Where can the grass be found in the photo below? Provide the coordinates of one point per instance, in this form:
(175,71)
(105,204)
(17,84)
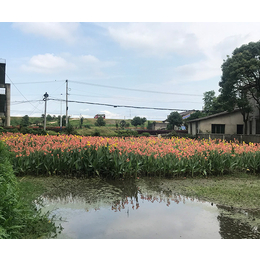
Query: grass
(19,217)
(238,191)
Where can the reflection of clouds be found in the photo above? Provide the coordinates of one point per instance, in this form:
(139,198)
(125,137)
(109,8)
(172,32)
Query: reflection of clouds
(178,220)
(158,216)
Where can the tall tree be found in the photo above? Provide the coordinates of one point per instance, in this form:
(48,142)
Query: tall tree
(138,121)
(208,98)
(25,120)
(212,104)
(175,119)
(240,81)
(100,121)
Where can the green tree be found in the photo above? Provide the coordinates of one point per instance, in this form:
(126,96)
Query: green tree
(138,121)
(63,120)
(174,119)
(81,122)
(48,117)
(212,104)
(240,80)
(25,121)
(195,115)
(122,124)
(100,122)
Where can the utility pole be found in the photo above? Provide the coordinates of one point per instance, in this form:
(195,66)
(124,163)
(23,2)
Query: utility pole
(45,109)
(67,103)
(61,113)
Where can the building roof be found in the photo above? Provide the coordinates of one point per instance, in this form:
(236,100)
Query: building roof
(215,115)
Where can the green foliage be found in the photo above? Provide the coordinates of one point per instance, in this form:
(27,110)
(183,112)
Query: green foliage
(195,115)
(174,119)
(145,134)
(108,162)
(63,120)
(48,117)
(212,104)
(17,218)
(122,124)
(81,122)
(240,79)
(138,121)
(70,129)
(96,133)
(25,121)
(125,133)
(150,125)
(27,130)
(100,122)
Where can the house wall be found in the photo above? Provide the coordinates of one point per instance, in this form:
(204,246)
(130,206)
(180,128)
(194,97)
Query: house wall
(158,126)
(229,120)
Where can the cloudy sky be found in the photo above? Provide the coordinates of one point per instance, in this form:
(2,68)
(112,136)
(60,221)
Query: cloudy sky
(165,65)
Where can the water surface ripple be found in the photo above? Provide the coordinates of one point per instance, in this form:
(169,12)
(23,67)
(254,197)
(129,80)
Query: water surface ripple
(142,209)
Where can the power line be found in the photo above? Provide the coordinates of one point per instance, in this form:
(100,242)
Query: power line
(139,90)
(39,82)
(115,106)
(19,90)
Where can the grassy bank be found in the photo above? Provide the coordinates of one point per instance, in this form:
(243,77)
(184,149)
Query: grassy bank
(238,191)
(19,217)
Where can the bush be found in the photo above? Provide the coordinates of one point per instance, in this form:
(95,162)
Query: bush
(96,133)
(27,130)
(70,130)
(100,122)
(125,133)
(145,134)
(18,219)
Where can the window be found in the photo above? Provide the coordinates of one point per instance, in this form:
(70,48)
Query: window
(240,129)
(217,129)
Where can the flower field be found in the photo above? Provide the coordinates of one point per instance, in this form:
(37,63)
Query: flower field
(79,156)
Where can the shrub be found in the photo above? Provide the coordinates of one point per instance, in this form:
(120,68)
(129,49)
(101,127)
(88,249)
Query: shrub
(145,134)
(125,133)
(18,219)
(70,130)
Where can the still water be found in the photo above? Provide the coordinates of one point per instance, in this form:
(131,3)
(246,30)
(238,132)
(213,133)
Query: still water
(142,209)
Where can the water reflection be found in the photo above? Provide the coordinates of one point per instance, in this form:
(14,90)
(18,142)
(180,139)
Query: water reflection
(144,208)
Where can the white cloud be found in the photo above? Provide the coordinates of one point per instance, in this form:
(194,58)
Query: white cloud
(209,43)
(111,115)
(154,38)
(47,63)
(67,32)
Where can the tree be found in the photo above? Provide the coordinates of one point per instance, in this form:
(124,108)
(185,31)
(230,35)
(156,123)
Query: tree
(48,117)
(212,104)
(63,120)
(240,81)
(100,121)
(122,124)
(208,99)
(195,115)
(25,121)
(174,119)
(81,122)
(138,121)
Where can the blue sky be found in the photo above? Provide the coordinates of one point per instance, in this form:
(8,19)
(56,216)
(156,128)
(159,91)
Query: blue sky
(103,61)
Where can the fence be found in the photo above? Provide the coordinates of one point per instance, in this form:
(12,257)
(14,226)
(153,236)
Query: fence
(240,138)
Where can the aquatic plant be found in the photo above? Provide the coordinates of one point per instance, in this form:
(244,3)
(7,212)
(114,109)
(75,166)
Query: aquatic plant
(116,157)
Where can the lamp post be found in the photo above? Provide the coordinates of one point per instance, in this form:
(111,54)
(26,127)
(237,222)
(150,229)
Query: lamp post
(46,95)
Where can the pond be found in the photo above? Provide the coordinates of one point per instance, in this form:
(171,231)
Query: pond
(141,209)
